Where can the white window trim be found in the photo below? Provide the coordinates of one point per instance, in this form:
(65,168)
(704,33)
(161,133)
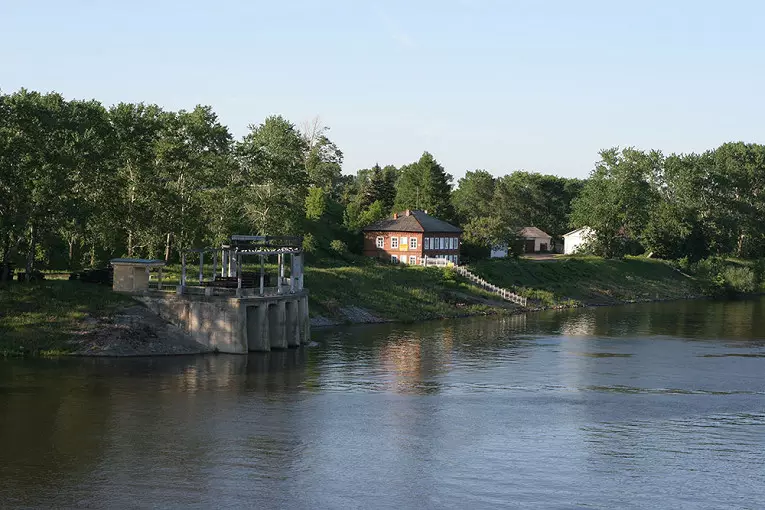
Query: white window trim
(394,242)
(413,259)
(380,242)
(413,243)
(394,259)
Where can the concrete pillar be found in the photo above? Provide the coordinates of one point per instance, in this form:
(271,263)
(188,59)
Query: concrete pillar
(277,321)
(305,320)
(257,328)
(293,323)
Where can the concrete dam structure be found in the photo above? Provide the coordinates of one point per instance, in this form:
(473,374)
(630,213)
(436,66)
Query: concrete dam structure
(237,325)
(235,311)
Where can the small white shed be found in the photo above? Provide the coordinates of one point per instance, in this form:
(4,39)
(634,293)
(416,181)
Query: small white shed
(499,251)
(575,239)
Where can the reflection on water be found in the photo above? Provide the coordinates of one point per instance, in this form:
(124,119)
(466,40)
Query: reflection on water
(648,405)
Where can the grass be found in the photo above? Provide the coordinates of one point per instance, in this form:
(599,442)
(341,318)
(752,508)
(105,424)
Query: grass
(398,293)
(41,318)
(570,281)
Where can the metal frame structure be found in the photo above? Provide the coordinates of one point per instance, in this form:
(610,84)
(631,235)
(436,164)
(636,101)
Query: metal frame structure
(239,246)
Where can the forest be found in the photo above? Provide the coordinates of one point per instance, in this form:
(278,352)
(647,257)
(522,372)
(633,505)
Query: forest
(81,183)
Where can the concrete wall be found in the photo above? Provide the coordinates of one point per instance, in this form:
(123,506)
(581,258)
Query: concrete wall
(236,325)
(130,278)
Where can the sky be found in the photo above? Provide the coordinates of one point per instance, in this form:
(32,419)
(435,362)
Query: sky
(497,85)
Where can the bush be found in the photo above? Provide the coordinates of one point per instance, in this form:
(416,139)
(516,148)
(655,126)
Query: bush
(740,279)
(310,245)
(338,247)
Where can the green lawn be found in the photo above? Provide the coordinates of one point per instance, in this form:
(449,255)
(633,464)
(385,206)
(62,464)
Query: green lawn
(390,292)
(400,293)
(588,280)
(40,318)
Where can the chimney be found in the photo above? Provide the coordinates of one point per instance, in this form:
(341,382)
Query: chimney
(408,212)
(395,216)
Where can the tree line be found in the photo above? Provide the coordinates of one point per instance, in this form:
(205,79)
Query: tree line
(81,183)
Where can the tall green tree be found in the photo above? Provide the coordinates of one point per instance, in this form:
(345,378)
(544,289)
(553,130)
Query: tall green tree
(617,199)
(474,195)
(425,185)
(274,177)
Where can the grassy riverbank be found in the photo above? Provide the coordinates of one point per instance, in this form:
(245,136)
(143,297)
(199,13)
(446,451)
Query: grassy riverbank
(576,281)
(42,318)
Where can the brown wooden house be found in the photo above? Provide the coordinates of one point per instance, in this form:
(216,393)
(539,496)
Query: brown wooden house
(411,238)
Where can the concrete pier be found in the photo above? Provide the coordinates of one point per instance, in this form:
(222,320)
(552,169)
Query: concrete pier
(236,325)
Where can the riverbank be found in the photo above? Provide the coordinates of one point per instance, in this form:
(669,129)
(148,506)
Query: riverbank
(58,317)
(63,317)
(591,281)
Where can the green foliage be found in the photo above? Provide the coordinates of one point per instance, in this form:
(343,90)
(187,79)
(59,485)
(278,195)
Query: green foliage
(315,203)
(310,245)
(617,199)
(338,247)
(426,186)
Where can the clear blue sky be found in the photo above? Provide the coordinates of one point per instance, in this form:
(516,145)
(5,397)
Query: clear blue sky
(499,85)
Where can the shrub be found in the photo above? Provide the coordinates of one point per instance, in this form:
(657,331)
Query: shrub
(740,279)
(310,245)
(338,247)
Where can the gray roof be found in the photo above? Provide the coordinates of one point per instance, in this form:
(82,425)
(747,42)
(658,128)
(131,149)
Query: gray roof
(417,221)
(532,232)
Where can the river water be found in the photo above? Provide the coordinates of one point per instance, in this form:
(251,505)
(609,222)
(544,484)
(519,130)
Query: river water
(645,406)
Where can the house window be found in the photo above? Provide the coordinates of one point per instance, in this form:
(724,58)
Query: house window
(427,243)
(413,243)
(412,259)
(394,242)
(441,243)
(404,243)
(394,259)
(380,242)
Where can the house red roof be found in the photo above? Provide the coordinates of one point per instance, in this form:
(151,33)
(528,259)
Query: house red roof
(412,221)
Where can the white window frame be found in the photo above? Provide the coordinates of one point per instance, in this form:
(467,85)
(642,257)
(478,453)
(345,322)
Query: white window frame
(380,242)
(394,243)
(403,243)
(413,260)
(412,243)
(441,243)
(394,259)
(426,243)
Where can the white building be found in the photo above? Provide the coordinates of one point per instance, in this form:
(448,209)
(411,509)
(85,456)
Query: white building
(535,240)
(575,239)
(499,251)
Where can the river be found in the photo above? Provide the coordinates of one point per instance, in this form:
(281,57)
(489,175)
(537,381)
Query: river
(643,406)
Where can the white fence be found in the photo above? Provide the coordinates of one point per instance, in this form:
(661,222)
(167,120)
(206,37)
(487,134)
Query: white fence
(480,282)
(435,261)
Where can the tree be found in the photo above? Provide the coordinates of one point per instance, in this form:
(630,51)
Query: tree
(315,203)
(323,159)
(137,194)
(617,198)
(474,195)
(193,153)
(425,185)
(274,177)
(380,186)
